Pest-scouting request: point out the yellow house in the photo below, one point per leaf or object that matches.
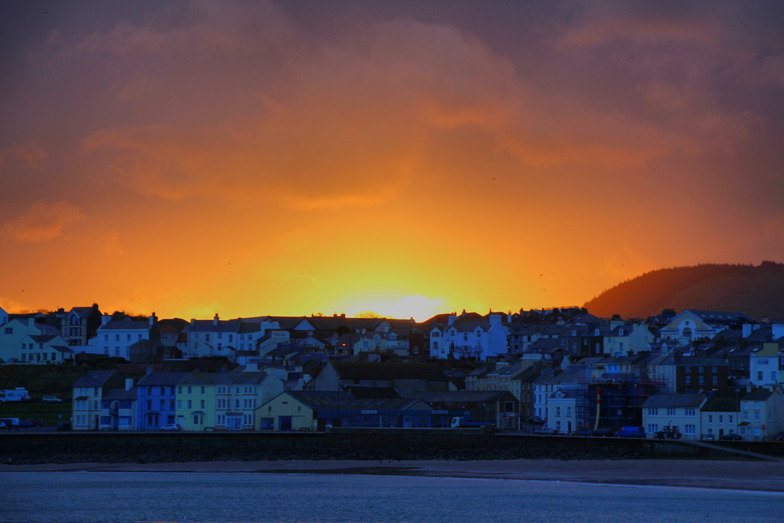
(196, 401)
(296, 409)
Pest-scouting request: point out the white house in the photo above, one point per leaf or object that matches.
(43, 349)
(765, 366)
(469, 336)
(720, 416)
(13, 332)
(115, 337)
(762, 414)
(674, 412)
(214, 337)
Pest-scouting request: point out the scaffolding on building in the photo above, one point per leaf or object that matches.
(610, 402)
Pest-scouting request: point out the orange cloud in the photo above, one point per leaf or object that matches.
(44, 222)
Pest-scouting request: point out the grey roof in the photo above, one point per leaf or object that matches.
(722, 403)
(229, 326)
(94, 378)
(318, 398)
(126, 324)
(154, 379)
(689, 399)
(757, 395)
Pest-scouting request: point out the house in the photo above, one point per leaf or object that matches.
(691, 325)
(298, 410)
(88, 391)
(14, 331)
(156, 399)
(214, 337)
(681, 373)
(195, 407)
(720, 415)
(627, 338)
(469, 336)
(766, 366)
(678, 413)
(562, 411)
(43, 349)
(762, 414)
(224, 400)
(118, 408)
(572, 378)
(80, 324)
(115, 337)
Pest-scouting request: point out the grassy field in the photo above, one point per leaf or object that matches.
(49, 413)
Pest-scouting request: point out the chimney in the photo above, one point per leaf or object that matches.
(153, 319)
(105, 319)
(215, 320)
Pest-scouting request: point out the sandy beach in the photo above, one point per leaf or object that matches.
(724, 474)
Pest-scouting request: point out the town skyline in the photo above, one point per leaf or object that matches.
(404, 158)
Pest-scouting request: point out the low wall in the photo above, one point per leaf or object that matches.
(371, 445)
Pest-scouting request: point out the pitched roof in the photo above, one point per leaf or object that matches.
(760, 394)
(154, 379)
(95, 378)
(688, 399)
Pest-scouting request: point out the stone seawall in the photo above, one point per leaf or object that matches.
(140, 447)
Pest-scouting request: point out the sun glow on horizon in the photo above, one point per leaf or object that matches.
(415, 306)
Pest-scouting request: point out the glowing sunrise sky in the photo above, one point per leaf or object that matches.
(409, 158)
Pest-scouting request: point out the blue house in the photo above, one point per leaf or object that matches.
(156, 399)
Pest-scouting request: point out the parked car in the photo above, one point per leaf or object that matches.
(51, 399)
(11, 423)
(631, 432)
(731, 437)
(603, 432)
(171, 427)
(535, 420)
(32, 422)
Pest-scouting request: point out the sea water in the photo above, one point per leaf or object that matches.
(163, 496)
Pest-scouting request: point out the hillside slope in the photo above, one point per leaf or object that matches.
(755, 290)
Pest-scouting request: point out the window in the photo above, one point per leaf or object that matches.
(710, 418)
(190, 404)
(202, 403)
(671, 411)
(715, 380)
(759, 376)
(9, 330)
(721, 418)
(653, 411)
(557, 411)
(653, 428)
(688, 380)
(690, 429)
(690, 411)
(701, 380)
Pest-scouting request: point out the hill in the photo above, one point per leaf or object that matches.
(755, 290)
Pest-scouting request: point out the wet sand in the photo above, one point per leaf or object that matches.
(724, 474)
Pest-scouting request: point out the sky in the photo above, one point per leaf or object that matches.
(402, 157)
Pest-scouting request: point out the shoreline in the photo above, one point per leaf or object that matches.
(711, 474)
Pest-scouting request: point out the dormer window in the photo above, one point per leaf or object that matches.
(620, 332)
